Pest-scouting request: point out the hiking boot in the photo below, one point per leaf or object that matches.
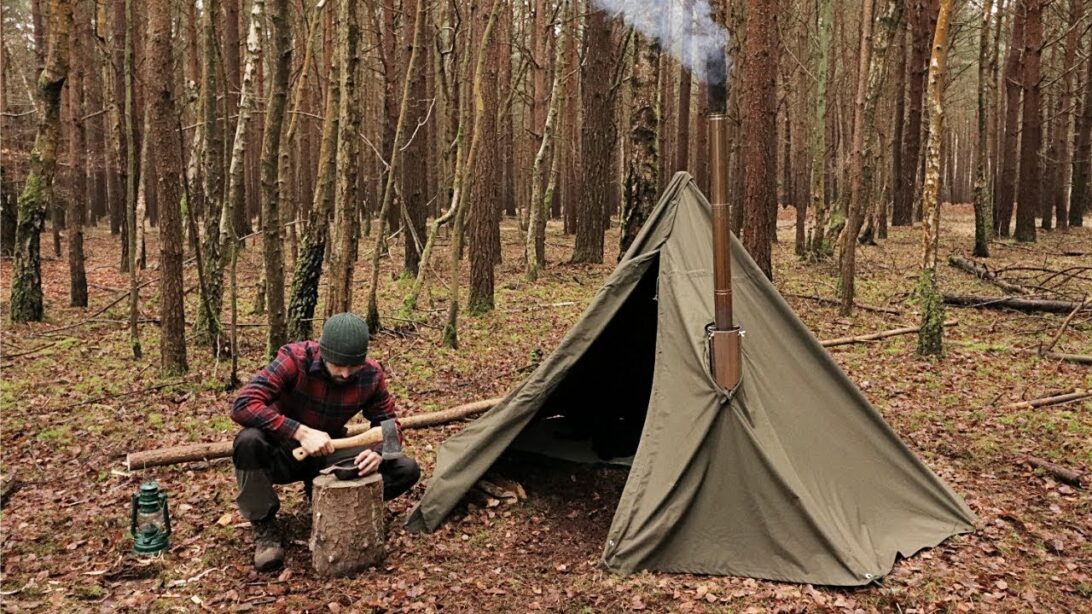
(268, 551)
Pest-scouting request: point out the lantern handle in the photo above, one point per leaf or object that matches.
(166, 512)
(132, 521)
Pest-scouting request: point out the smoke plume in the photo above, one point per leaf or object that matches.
(686, 30)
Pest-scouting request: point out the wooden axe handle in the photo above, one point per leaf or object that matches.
(369, 437)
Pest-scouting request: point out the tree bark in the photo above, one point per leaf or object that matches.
(395, 160)
(1082, 151)
(78, 159)
(597, 98)
(816, 243)
(308, 267)
(484, 231)
(983, 210)
(165, 132)
(930, 339)
(212, 176)
(760, 126)
(348, 525)
(921, 18)
(1006, 177)
(280, 51)
(643, 168)
(1031, 132)
(343, 250)
(26, 276)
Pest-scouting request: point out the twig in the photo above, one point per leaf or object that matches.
(1069, 397)
(1061, 329)
(29, 352)
(880, 335)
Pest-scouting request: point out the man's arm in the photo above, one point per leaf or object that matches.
(255, 406)
(380, 406)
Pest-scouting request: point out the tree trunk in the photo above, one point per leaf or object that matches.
(308, 268)
(1006, 174)
(983, 211)
(549, 149)
(816, 246)
(921, 17)
(1063, 194)
(165, 132)
(348, 525)
(395, 161)
(760, 128)
(415, 185)
(78, 160)
(26, 274)
(871, 74)
(643, 169)
(343, 250)
(898, 130)
(597, 98)
(272, 230)
(1031, 131)
(1082, 151)
(930, 339)
(208, 318)
(484, 231)
(129, 119)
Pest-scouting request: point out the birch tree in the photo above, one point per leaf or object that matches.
(26, 275)
(930, 337)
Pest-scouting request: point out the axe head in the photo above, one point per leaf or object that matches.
(392, 446)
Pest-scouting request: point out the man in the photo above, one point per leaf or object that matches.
(303, 399)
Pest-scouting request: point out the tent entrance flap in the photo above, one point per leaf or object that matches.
(596, 414)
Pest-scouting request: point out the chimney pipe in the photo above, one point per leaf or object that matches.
(725, 339)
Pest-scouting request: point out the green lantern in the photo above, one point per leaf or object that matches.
(151, 520)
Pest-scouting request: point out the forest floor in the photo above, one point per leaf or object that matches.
(74, 402)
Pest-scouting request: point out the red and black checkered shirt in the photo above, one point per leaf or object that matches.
(295, 389)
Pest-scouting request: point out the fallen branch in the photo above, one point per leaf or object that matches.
(1061, 329)
(1008, 302)
(830, 301)
(829, 343)
(1080, 359)
(983, 272)
(1063, 474)
(222, 449)
(1068, 397)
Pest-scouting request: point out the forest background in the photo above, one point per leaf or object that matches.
(210, 179)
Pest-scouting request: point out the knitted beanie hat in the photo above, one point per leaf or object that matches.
(344, 340)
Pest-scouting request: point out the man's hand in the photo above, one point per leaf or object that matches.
(367, 462)
(313, 441)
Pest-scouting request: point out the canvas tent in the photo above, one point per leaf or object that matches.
(793, 476)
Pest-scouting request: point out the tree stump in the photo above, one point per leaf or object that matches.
(348, 524)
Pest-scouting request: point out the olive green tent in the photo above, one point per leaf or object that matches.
(793, 476)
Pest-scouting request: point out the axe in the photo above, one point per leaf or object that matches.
(386, 433)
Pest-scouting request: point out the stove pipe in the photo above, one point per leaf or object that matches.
(725, 338)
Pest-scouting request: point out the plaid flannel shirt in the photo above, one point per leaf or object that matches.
(295, 389)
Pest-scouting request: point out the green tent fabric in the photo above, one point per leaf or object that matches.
(793, 476)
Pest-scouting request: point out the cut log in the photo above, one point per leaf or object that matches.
(1009, 302)
(348, 525)
(983, 272)
(829, 343)
(222, 449)
(1062, 474)
(1068, 397)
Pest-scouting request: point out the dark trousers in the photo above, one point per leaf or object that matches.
(262, 461)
